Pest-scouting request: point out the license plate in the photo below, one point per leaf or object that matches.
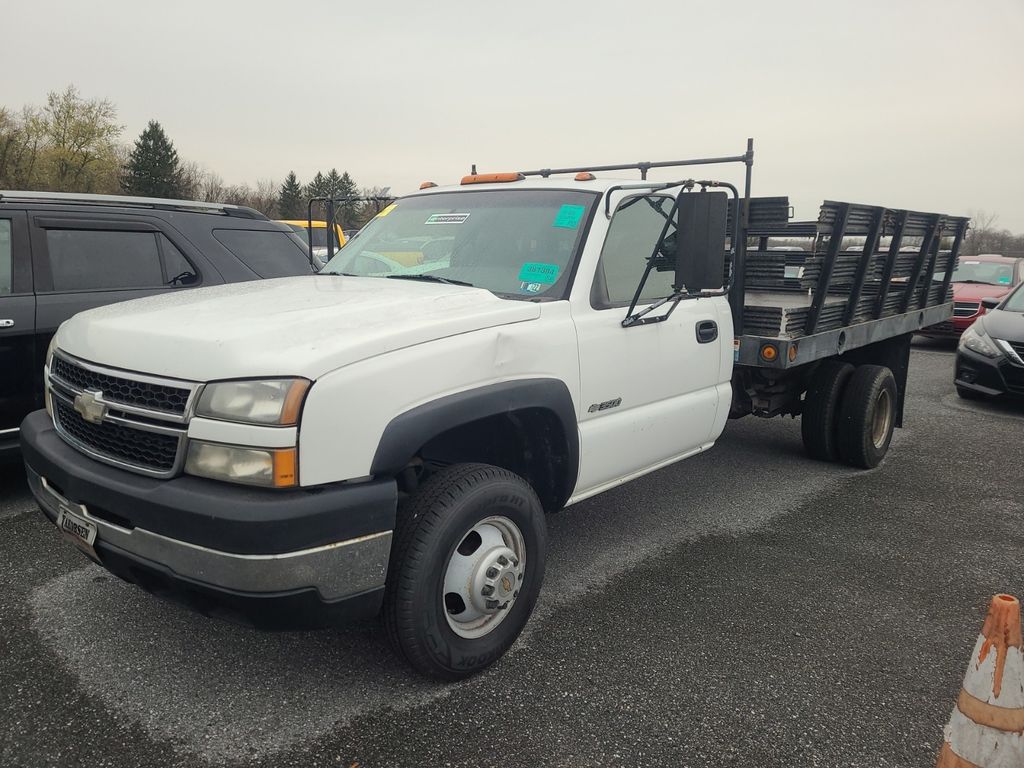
(78, 530)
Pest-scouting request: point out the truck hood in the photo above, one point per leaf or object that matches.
(978, 291)
(293, 326)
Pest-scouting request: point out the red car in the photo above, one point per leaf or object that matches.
(975, 278)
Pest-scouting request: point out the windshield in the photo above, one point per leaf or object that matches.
(974, 271)
(516, 243)
(319, 235)
(1015, 303)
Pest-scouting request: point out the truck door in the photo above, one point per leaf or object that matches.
(17, 326)
(650, 393)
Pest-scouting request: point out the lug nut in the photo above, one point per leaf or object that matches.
(488, 590)
(492, 573)
(520, 577)
(502, 560)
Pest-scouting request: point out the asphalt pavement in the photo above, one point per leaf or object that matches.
(746, 607)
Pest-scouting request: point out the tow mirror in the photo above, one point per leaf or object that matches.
(990, 303)
(700, 240)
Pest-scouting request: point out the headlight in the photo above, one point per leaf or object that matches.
(270, 467)
(273, 401)
(976, 340)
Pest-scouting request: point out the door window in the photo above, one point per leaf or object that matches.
(632, 237)
(93, 259)
(6, 258)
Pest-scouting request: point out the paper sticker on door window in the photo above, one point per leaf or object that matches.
(447, 218)
(568, 216)
(538, 272)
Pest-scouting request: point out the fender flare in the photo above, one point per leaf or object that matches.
(408, 431)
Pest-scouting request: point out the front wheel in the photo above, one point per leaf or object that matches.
(466, 570)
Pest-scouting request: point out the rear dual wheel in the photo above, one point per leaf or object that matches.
(849, 413)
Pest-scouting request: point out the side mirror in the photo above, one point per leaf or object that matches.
(990, 303)
(700, 240)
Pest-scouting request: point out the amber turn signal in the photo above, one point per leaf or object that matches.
(491, 178)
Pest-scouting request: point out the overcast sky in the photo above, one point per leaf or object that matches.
(903, 103)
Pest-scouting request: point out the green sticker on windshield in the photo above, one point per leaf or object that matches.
(1004, 280)
(568, 216)
(538, 272)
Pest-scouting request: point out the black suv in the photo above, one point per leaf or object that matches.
(63, 253)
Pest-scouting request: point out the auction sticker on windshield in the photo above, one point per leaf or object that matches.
(447, 218)
(568, 216)
(538, 272)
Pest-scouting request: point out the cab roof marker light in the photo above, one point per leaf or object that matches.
(492, 178)
(427, 185)
(585, 176)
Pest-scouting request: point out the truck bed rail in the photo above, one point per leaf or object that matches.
(811, 293)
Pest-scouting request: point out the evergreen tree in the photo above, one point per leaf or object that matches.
(316, 188)
(290, 202)
(153, 168)
(347, 188)
(332, 183)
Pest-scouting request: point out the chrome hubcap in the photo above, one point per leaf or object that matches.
(484, 576)
(882, 418)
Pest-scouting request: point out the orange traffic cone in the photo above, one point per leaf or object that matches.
(987, 726)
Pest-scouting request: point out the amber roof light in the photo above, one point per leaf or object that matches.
(491, 178)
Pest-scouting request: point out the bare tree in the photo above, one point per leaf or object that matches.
(82, 135)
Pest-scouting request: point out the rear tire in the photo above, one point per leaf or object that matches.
(867, 416)
(820, 418)
(470, 539)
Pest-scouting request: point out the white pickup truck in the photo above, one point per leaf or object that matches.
(386, 438)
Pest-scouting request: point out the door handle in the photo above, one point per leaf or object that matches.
(707, 331)
(6, 323)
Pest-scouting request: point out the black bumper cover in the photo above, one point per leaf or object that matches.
(218, 516)
(989, 376)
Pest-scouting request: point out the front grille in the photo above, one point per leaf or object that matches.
(1013, 375)
(148, 450)
(141, 394)
(1018, 347)
(965, 308)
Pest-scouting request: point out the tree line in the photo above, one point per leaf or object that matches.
(73, 144)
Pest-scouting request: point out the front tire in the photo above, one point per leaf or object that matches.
(466, 569)
(867, 416)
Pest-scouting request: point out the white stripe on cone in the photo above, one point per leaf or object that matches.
(980, 678)
(985, 747)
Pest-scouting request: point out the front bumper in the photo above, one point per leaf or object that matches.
(988, 375)
(269, 558)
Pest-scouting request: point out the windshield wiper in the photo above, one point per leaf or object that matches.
(185, 277)
(426, 277)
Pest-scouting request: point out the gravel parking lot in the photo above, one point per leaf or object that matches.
(747, 607)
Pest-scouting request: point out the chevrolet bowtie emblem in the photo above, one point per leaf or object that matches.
(91, 407)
